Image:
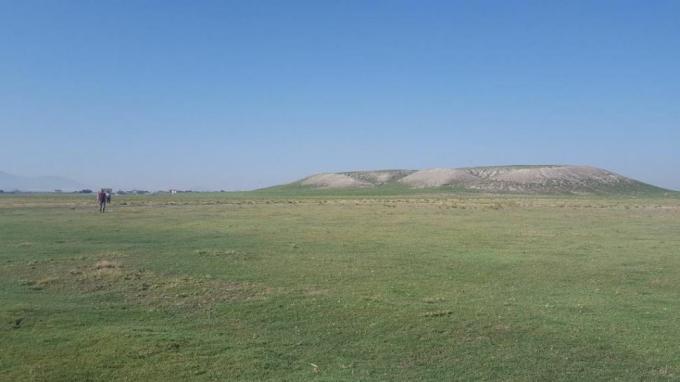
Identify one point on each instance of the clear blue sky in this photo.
(243, 94)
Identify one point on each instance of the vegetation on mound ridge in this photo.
(519, 179)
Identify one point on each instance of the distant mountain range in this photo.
(10, 182)
(534, 179)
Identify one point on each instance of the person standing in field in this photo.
(101, 198)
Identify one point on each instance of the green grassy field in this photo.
(258, 286)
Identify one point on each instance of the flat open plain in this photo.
(339, 287)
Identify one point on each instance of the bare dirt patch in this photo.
(437, 177)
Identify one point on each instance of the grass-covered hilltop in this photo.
(535, 179)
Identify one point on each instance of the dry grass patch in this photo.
(189, 293)
(146, 288)
(219, 252)
(107, 267)
(439, 313)
(313, 292)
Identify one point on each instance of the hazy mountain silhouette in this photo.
(10, 182)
